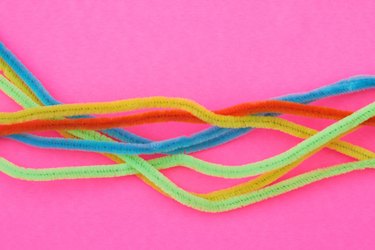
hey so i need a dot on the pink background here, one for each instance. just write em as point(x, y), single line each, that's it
point(218, 53)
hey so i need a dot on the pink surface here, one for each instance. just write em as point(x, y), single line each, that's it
point(218, 53)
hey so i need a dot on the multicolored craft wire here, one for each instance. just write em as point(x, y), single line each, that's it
point(83, 131)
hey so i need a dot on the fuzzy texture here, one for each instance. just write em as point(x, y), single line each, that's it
point(240, 195)
point(99, 123)
point(221, 202)
point(215, 136)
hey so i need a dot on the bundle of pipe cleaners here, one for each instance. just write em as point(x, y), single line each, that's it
point(81, 130)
